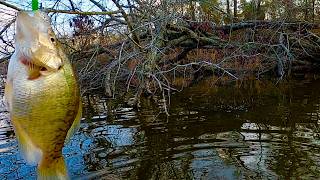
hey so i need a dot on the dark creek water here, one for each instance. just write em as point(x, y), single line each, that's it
point(247, 130)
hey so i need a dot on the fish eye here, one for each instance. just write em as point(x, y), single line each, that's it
point(52, 39)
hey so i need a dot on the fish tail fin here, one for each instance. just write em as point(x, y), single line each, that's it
point(53, 170)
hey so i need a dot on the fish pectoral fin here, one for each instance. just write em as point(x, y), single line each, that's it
point(75, 125)
point(29, 151)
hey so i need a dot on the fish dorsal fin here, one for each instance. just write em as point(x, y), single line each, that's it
point(29, 151)
point(75, 125)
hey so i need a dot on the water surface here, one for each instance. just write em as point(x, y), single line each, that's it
point(253, 129)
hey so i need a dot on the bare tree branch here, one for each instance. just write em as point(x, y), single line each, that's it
point(72, 5)
point(98, 5)
point(4, 59)
point(81, 12)
point(63, 11)
point(7, 26)
point(10, 5)
point(129, 23)
point(110, 15)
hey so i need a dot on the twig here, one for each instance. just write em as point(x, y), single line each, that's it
point(5, 59)
point(7, 26)
point(129, 23)
point(81, 12)
point(62, 11)
point(72, 5)
point(10, 5)
point(119, 66)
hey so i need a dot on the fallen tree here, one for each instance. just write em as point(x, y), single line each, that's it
point(268, 46)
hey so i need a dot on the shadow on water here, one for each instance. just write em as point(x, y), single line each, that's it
point(254, 129)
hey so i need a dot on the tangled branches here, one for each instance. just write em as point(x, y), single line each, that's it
point(157, 47)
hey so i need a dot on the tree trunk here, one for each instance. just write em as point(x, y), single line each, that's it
point(257, 8)
point(289, 10)
point(258, 5)
point(313, 14)
point(228, 7)
point(235, 9)
point(192, 11)
point(306, 10)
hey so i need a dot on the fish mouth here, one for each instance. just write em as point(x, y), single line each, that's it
point(35, 71)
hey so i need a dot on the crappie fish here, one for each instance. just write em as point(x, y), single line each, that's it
point(42, 95)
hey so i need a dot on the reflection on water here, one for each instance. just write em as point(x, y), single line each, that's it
point(248, 130)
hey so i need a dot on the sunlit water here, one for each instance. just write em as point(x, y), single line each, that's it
point(246, 131)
